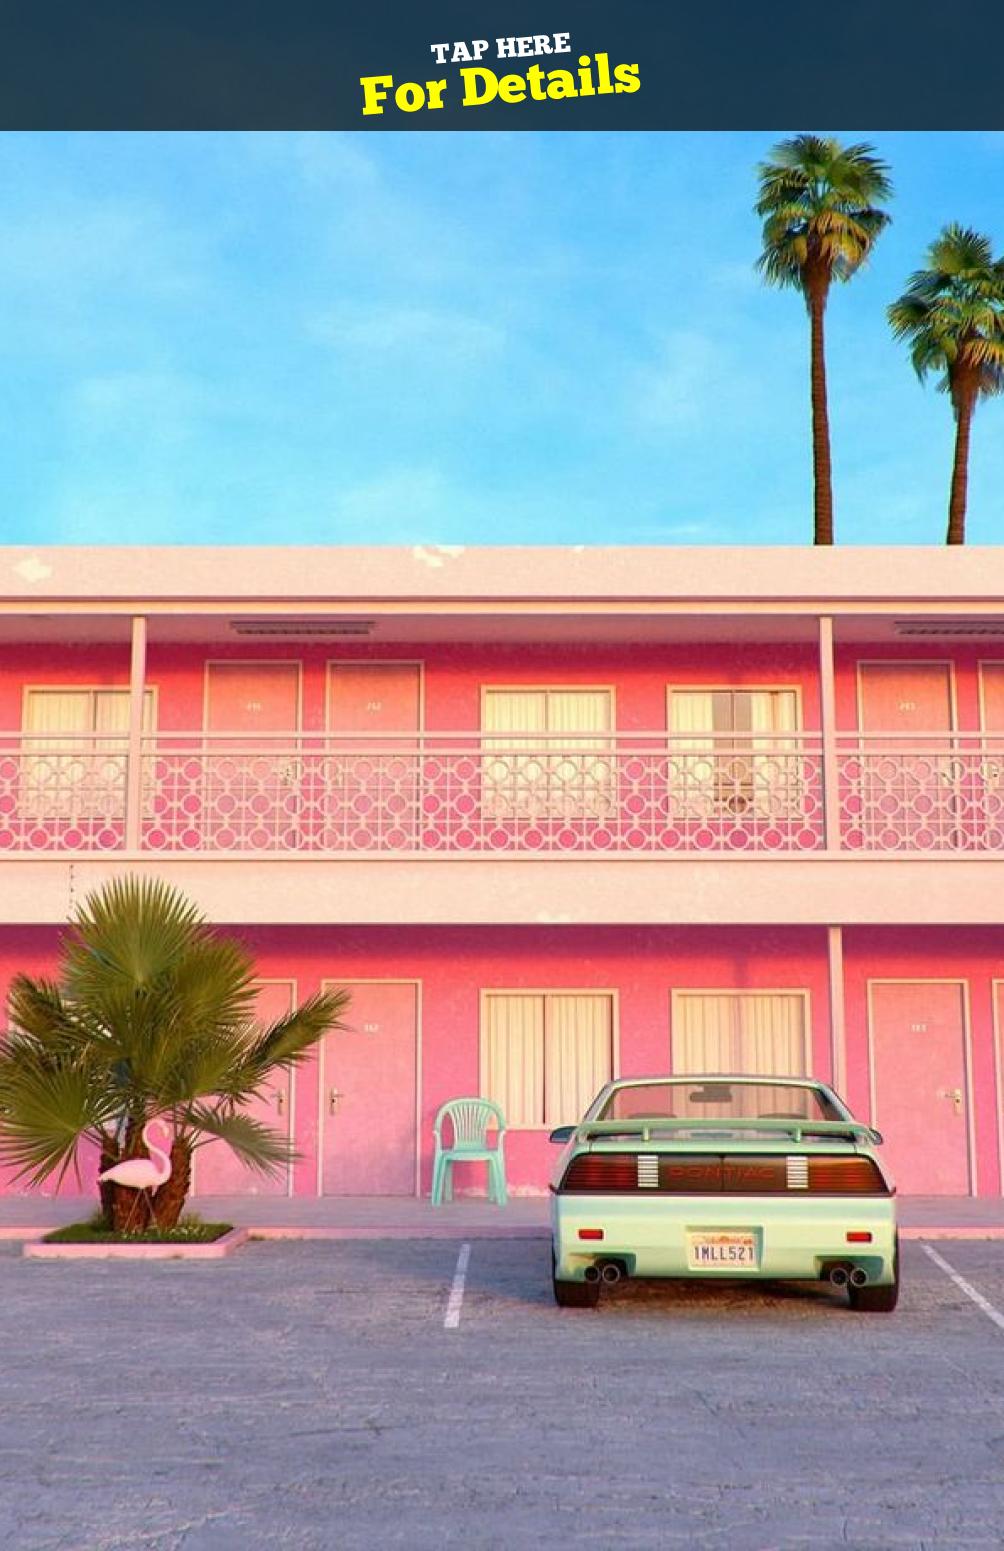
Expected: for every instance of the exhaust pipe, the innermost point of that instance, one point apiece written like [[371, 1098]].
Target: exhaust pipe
[[611, 1273], [592, 1273], [838, 1276], [858, 1278]]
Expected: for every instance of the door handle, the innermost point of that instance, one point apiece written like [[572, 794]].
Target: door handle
[[955, 1094], [333, 1098], [280, 1102]]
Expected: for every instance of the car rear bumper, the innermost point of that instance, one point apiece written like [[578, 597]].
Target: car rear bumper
[[797, 1240]]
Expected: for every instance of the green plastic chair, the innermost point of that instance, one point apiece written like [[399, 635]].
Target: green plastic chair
[[470, 1121]]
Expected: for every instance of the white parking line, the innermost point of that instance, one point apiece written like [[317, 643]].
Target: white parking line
[[451, 1319], [964, 1286]]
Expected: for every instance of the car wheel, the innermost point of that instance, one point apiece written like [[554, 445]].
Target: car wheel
[[574, 1295], [877, 1300]]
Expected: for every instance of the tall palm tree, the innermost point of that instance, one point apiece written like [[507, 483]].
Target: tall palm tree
[[152, 1017], [819, 202], [952, 316]]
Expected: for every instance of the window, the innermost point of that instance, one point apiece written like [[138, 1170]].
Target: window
[[545, 1054], [534, 770], [745, 1033], [75, 751], [740, 763]]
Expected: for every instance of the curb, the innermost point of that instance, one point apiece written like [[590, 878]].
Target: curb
[[445, 1232], [219, 1249]]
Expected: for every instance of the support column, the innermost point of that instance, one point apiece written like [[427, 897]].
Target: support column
[[134, 755], [828, 727], [838, 1040]]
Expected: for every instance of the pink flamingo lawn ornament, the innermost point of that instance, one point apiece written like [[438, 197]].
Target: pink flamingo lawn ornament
[[143, 1173]]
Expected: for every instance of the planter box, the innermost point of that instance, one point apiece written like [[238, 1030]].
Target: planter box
[[218, 1249]]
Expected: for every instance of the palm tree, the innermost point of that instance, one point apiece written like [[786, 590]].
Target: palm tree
[[819, 205], [952, 316], [152, 1016]]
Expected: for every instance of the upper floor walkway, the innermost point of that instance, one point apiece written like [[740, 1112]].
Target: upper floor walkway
[[550, 706]]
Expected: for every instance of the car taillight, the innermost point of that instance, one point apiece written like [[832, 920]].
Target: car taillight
[[846, 1177], [602, 1173]]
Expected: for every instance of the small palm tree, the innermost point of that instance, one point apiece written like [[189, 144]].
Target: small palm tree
[[952, 316], [152, 1017], [819, 202]]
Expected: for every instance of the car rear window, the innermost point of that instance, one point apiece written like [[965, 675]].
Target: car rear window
[[718, 1101]]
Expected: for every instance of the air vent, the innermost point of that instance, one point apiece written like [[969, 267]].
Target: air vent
[[949, 627], [798, 1172], [648, 1172], [302, 627]]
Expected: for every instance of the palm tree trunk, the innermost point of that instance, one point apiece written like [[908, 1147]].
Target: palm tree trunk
[[822, 473], [170, 1198], [960, 471]]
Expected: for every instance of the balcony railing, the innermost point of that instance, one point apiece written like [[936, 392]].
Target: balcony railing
[[475, 794]]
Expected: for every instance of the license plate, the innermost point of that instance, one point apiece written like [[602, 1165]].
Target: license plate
[[722, 1252]]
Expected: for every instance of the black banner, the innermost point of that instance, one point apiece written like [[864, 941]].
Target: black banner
[[551, 64]]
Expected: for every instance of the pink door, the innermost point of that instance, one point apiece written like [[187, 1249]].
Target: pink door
[[919, 1073], [372, 785], [218, 1171], [253, 780], [909, 794], [368, 1093]]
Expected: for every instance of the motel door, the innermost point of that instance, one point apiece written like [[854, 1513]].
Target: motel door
[[253, 779], [372, 778], [218, 1171], [369, 1092], [920, 1095], [909, 799]]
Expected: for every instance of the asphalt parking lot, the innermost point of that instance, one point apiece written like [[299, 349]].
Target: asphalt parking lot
[[335, 1395]]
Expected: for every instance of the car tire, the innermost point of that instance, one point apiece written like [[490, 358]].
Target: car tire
[[574, 1295], [877, 1300]]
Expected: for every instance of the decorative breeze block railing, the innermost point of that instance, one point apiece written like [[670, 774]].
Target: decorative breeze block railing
[[467, 794]]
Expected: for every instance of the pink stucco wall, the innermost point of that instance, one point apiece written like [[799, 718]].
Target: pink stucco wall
[[642, 964], [454, 674]]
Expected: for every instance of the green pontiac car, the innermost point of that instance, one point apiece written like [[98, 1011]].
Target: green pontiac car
[[722, 1176]]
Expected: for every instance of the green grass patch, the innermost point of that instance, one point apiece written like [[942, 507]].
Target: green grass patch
[[190, 1230]]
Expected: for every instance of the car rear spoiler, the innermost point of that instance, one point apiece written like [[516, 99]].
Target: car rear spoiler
[[797, 1130]]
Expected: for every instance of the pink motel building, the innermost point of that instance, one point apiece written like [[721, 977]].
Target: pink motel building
[[549, 815]]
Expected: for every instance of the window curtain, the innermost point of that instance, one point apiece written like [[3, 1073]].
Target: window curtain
[[544, 1057], [57, 751], [757, 1033], [577, 1054], [76, 750], [581, 787], [513, 784], [692, 774], [550, 780], [512, 1057], [774, 772]]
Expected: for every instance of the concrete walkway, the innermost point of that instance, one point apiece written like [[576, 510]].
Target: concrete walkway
[[404, 1217]]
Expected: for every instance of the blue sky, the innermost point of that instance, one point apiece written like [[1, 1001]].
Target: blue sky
[[456, 338]]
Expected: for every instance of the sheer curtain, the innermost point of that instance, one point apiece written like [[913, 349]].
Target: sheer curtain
[[775, 775], [545, 1055], [693, 774], [580, 786], [512, 1056], [550, 780], [578, 1049], [512, 783], [56, 767]]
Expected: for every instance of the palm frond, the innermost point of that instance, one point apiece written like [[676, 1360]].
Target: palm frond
[[820, 206], [258, 1146], [48, 1105]]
